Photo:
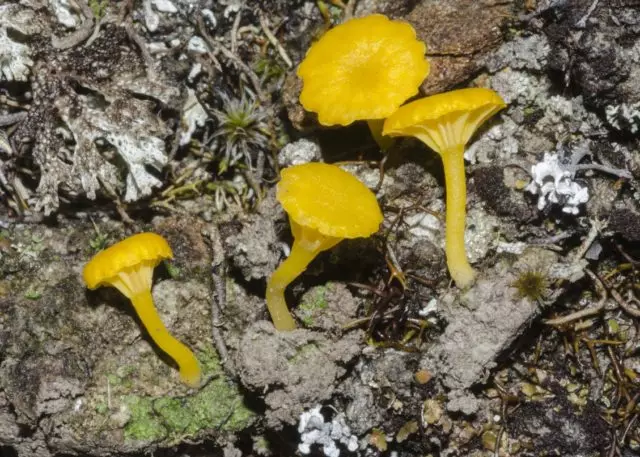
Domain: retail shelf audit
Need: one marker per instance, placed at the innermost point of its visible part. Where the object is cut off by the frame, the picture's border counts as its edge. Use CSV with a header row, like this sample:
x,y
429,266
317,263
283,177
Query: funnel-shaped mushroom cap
x,y
143,249
330,200
362,69
446,120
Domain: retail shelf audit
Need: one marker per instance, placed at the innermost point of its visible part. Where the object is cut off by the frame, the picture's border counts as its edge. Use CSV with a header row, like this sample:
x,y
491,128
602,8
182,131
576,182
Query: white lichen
x,y
193,116
151,17
197,45
314,429
624,117
299,152
15,58
65,13
423,225
554,184
128,126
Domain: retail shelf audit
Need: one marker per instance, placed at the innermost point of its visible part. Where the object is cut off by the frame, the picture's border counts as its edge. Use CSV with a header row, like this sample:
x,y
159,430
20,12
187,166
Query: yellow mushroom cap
x,y
330,200
362,69
145,249
445,120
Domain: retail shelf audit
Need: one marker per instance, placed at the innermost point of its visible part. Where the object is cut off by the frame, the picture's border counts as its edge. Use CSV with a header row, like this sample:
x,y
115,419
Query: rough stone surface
x,y
483,322
458,34
328,307
302,369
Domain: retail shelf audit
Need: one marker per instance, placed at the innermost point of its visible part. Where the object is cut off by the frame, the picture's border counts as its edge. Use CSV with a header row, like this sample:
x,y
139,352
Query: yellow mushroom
x,y
128,266
363,69
445,122
325,205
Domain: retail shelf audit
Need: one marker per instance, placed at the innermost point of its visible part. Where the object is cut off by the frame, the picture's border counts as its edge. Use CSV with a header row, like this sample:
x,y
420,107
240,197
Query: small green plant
x,y
99,242
99,8
532,284
173,271
32,294
242,127
269,68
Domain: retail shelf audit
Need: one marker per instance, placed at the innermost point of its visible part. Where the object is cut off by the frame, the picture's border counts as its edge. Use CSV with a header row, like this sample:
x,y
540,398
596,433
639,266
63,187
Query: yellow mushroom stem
x,y
456,189
135,284
307,244
181,354
384,142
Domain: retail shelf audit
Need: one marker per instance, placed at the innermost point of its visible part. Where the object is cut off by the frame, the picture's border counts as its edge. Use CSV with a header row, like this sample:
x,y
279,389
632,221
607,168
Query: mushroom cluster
x,y
364,69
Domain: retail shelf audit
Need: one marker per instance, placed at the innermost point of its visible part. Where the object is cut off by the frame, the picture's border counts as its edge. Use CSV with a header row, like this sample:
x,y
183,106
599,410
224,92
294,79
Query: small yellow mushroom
x,y
325,205
445,122
128,266
363,69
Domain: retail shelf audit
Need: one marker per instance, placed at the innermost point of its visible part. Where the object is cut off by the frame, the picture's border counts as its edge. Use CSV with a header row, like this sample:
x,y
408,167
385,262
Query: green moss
x,y
173,270
218,405
99,7
32,294
304,352
314,302
143,424
102,408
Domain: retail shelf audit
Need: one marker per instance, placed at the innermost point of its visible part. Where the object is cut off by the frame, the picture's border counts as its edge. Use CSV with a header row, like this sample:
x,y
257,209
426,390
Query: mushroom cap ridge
x,y
447,103
330,200
362,69
148,248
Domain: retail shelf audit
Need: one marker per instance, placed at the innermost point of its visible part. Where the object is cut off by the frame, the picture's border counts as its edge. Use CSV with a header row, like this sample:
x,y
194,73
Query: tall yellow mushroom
x,y
445,122
128,266
363,69
325,205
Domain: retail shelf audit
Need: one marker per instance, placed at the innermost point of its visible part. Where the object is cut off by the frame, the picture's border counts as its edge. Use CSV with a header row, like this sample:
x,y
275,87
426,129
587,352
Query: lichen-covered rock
x,y
484,321
328,307
301,371
15,56
80,364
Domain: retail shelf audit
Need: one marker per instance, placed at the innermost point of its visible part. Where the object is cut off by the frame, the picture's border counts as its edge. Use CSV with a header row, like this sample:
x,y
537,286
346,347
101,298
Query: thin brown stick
x,y
585,312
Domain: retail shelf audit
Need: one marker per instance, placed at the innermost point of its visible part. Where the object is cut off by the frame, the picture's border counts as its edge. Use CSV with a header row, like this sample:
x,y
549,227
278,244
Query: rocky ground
x,y
175,116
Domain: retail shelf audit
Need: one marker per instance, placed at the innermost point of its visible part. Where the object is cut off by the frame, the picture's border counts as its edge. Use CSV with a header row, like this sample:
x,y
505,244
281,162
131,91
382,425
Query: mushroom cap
x,y
447,119
146,249
364,68
330,200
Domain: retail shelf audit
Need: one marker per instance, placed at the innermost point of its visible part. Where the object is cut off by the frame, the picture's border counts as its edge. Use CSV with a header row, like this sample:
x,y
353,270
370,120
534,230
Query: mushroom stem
x,y
182,355
375,126
456,188
288,270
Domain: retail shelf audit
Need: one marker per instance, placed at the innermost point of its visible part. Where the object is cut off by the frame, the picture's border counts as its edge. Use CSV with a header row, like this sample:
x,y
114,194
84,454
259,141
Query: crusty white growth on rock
x,y
193,116
624,117
15,57
553,183
64,13
151,17
299,152
131,127
15,60
314,429
484,321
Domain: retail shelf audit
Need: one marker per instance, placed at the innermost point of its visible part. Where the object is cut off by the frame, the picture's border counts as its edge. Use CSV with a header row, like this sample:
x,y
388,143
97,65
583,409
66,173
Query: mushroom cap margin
x,y
330,200
364,68
142,247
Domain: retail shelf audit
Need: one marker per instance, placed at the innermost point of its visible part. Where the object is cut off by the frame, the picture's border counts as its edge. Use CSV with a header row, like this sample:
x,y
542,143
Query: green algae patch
x,y
217,406
143,424
314,303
